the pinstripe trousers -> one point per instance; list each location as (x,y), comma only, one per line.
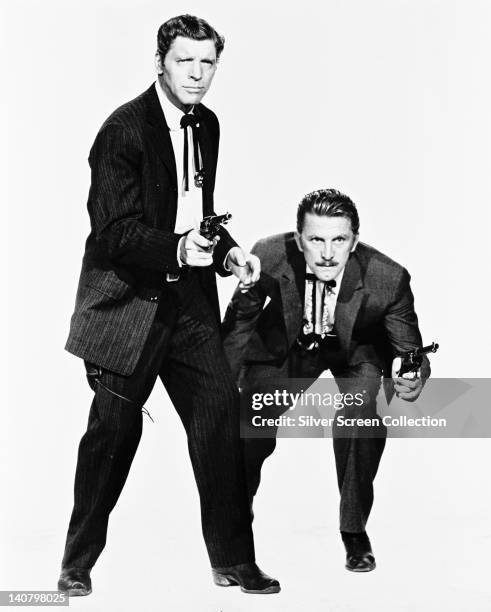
(184,350)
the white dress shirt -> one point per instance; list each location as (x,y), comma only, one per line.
(330,300)
(189,203)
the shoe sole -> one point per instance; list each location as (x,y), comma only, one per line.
(361,571)
(270,590)
(77,592)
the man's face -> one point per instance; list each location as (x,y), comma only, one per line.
(187,70)
(326,243)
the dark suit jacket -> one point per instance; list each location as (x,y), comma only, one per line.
(374,316)
(132,245)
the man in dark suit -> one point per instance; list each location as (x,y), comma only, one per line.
(326,301)
(147,306)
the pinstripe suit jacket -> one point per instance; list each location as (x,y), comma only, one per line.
(132,206)
(374,317)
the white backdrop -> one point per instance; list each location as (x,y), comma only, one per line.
(386,100)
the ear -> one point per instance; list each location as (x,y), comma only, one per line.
(158,63)
(298,240)
(357,238)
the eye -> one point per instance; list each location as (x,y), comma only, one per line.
(316,239)
(340,239)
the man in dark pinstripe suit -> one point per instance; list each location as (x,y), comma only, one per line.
(147,307)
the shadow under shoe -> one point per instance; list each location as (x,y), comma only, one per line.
(359,555)
(75,581)
(248,576)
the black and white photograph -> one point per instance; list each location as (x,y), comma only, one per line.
(245,309)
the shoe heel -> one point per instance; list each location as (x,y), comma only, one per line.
(223,580)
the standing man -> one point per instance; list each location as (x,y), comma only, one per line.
(147,307)
(327,301)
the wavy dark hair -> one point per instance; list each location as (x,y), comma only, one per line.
(328,202)
(188,26)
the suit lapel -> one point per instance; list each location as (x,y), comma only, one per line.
(348,302)
(292,288)
(158,132)
(207,159)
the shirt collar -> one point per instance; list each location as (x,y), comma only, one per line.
(172,113)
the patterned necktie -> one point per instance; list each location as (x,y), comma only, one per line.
(309,337)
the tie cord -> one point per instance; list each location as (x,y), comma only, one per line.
(190,120)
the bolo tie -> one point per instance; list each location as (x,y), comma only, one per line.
(190,121)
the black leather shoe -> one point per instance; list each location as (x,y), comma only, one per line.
(246,575)
(359,555)
(75,581)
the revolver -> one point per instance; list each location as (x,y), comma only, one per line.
(210,225)
(411,360)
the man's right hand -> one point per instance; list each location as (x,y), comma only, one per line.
(409,385)
(196,250)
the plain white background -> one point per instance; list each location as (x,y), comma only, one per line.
(386,100)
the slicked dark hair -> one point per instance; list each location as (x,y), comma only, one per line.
(188,26)
(329,203)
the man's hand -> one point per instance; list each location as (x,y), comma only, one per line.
(409,386)
(196,250)
(245,266)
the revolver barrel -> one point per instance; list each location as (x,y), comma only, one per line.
(431,348)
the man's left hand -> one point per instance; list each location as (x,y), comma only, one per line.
(245,266)
(409,385)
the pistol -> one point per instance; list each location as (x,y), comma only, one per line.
(411,360)
(210,225)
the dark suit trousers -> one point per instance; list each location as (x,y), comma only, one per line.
(357,451)
(184,349)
